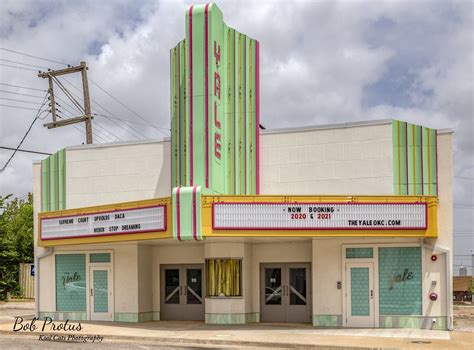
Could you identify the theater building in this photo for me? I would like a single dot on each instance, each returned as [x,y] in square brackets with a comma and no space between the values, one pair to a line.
[343,225]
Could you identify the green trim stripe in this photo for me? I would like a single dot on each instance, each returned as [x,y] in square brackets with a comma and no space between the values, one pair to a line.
[414,159]
[53,182]
[327,320]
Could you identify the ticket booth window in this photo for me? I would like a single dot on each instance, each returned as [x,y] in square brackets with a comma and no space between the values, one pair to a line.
[224,277]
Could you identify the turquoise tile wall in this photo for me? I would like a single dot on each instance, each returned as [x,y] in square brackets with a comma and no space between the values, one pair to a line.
[327,320]
[400,281]
[70,282]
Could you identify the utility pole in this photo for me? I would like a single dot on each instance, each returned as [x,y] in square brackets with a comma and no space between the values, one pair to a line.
[85,108]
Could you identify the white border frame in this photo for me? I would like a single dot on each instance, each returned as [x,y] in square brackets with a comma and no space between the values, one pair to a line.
[87,253]
[375,261]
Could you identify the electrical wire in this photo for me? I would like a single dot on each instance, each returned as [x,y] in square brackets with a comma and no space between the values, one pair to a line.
[24,68]
[24,137]
[22,101]
[68,94]
[18,93]
[81,110]
[71,115]
[23,87]
[135,131]
[124,120]
[11,106]
[37,57]
[78,129]
[25,64]
[125,106]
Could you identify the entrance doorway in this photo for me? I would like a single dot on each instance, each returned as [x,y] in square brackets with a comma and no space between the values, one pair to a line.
[360,299]
[100,294]
[182,294]
[285,294]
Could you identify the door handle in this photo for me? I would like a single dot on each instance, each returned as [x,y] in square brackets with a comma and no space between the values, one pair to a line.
[92,292]
[371,294]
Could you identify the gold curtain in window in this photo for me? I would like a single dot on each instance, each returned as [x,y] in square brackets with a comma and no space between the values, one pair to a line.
[223,277]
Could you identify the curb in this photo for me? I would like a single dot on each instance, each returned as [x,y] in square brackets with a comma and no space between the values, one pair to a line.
[188,341]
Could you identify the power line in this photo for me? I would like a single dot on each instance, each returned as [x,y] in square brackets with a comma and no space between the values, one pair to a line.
[78,129]
[37,57]
[140,135]
[24,150]
[24,68]
[71,114]
[18,93]
[125,120]
[3,105]
[22,101]
[24,137]
[25,64]
[464,177]
[124,105]
[23,87]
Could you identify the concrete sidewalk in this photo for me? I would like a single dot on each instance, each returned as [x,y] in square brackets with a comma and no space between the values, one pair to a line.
[8,310]
[266,335]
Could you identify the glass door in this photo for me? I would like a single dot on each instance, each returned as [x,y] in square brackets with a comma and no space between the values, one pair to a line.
[271,301]
[193,292]
[182,292]
[171,291]
[298,293]
[100,294]
[360,295]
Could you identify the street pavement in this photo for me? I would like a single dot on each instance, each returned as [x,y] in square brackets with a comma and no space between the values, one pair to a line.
[189,335]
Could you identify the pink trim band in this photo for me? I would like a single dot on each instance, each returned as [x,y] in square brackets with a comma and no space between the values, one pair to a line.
[194,214]
[436,149]
[406,157]
[421,151]
[178,219]
[206,87]
[257,136]
[191,159]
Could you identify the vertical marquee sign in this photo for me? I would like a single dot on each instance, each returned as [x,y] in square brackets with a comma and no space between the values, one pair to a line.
[215,105]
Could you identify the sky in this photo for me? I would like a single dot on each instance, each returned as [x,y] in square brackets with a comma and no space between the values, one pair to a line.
[321,62]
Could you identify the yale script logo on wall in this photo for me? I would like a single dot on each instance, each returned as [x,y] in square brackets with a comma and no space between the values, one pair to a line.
[320,216]
[105,223]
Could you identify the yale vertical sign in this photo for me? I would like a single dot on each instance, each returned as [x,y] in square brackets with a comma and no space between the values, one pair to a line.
[214,100]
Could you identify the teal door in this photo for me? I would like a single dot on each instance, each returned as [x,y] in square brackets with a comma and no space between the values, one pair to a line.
[360,295]
[100,294]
